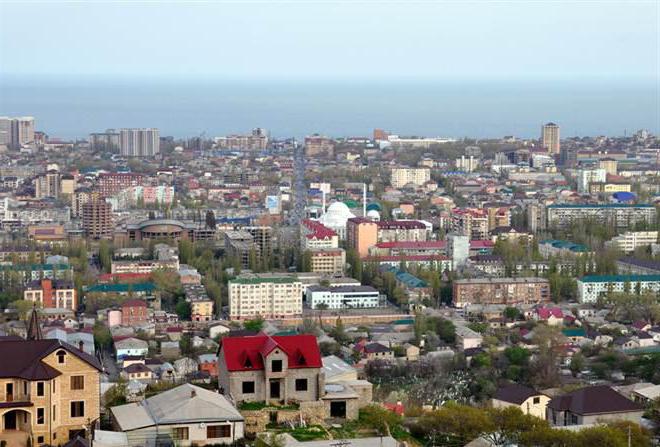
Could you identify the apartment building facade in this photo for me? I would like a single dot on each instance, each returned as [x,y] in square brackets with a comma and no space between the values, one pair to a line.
[417,176]
[264,295]
[52,294]
[508,291]
[617,215]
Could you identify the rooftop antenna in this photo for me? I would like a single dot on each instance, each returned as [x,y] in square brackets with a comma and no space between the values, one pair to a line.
[323,204]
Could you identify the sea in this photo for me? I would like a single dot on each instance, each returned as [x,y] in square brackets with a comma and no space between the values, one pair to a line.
[72,107]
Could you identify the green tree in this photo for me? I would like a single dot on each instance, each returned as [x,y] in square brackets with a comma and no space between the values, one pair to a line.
[256,324]
[183,309]
[105,256]
[102,336]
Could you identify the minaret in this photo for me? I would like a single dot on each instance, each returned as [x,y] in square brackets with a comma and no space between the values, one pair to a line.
[323,204]
[34,329]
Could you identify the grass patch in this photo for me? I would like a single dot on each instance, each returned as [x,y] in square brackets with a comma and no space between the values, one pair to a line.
[256,406]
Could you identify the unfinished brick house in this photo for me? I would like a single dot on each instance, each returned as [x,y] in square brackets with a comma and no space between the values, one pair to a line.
[274,369]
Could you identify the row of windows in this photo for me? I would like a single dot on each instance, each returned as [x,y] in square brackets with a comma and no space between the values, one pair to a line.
[248,387]
[76,410]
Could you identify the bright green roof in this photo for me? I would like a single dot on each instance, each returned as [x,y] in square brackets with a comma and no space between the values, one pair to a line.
[28,267]
[145,287]
[620,278]
[576,332]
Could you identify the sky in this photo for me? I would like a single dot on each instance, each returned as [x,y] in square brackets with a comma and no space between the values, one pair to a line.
[332,39]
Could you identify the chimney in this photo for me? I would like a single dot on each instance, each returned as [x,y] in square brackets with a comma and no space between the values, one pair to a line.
[81,346]
[193,393]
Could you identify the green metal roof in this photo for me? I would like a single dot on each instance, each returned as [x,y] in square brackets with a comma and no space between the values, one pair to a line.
[145,287]
[28,267]
[577,332]
[620,278]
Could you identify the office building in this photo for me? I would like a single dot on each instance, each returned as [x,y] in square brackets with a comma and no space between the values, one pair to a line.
[631,240]
[343,297]
[508,291]
[416,176]
[97,219]
[139,142]
[266,295]
[550,138]
[592,287]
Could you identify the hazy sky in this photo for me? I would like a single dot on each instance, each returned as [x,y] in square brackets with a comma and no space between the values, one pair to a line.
[332,39]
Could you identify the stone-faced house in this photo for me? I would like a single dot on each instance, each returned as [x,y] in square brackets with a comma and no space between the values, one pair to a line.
[49,391]
[263,368]
[527,399]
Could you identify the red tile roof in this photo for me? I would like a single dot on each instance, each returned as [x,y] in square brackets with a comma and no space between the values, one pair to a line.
[246,353]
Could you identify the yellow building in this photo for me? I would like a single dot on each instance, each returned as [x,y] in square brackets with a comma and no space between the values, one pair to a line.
[600,187]
[528,400]
[201,310]
[550,138]
[49,390]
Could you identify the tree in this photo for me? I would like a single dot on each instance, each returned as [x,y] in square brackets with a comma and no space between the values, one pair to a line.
[105,256]
[210,219]
[511,313]
[577,363]
[183,310]
[544,368]
[254,325]
[102,336]
[185,344]
[339,333]
[24,307]
[379,419]
[306,262]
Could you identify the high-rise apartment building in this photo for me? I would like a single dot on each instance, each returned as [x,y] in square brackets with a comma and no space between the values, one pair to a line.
[417,176]
[97,219]
[550,138]
[47,184]
[139,142]
[108,140]
[16,132]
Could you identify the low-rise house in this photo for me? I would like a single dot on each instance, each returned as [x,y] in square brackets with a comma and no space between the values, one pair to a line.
[412,352]
[527,399]
[591,405]
[575,335]
[375,351]
[130,346]
[208,363]
[553,316]
[137,371]
[185,367]
[186,415]
[49,390]
[134,312]
[646,395]
[466,338]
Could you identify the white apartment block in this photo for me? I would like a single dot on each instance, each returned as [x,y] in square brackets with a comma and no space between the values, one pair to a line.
[618,215]
[631,240]
[587,176]
[417,176]
[590,288]
[344,297]
[264,295]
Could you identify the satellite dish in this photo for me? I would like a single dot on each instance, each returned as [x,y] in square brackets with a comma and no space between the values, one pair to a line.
[202,425]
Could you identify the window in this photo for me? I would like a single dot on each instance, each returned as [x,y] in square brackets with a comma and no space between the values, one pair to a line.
[40,439]
[25,388]
[248,387]
[537,400]
[77,382]
[180,433]
[40,389]
[218,431]
[77,409]
[60,356]
[301,384]
[276,366]
[40,416]
[53,386]
[54,413]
